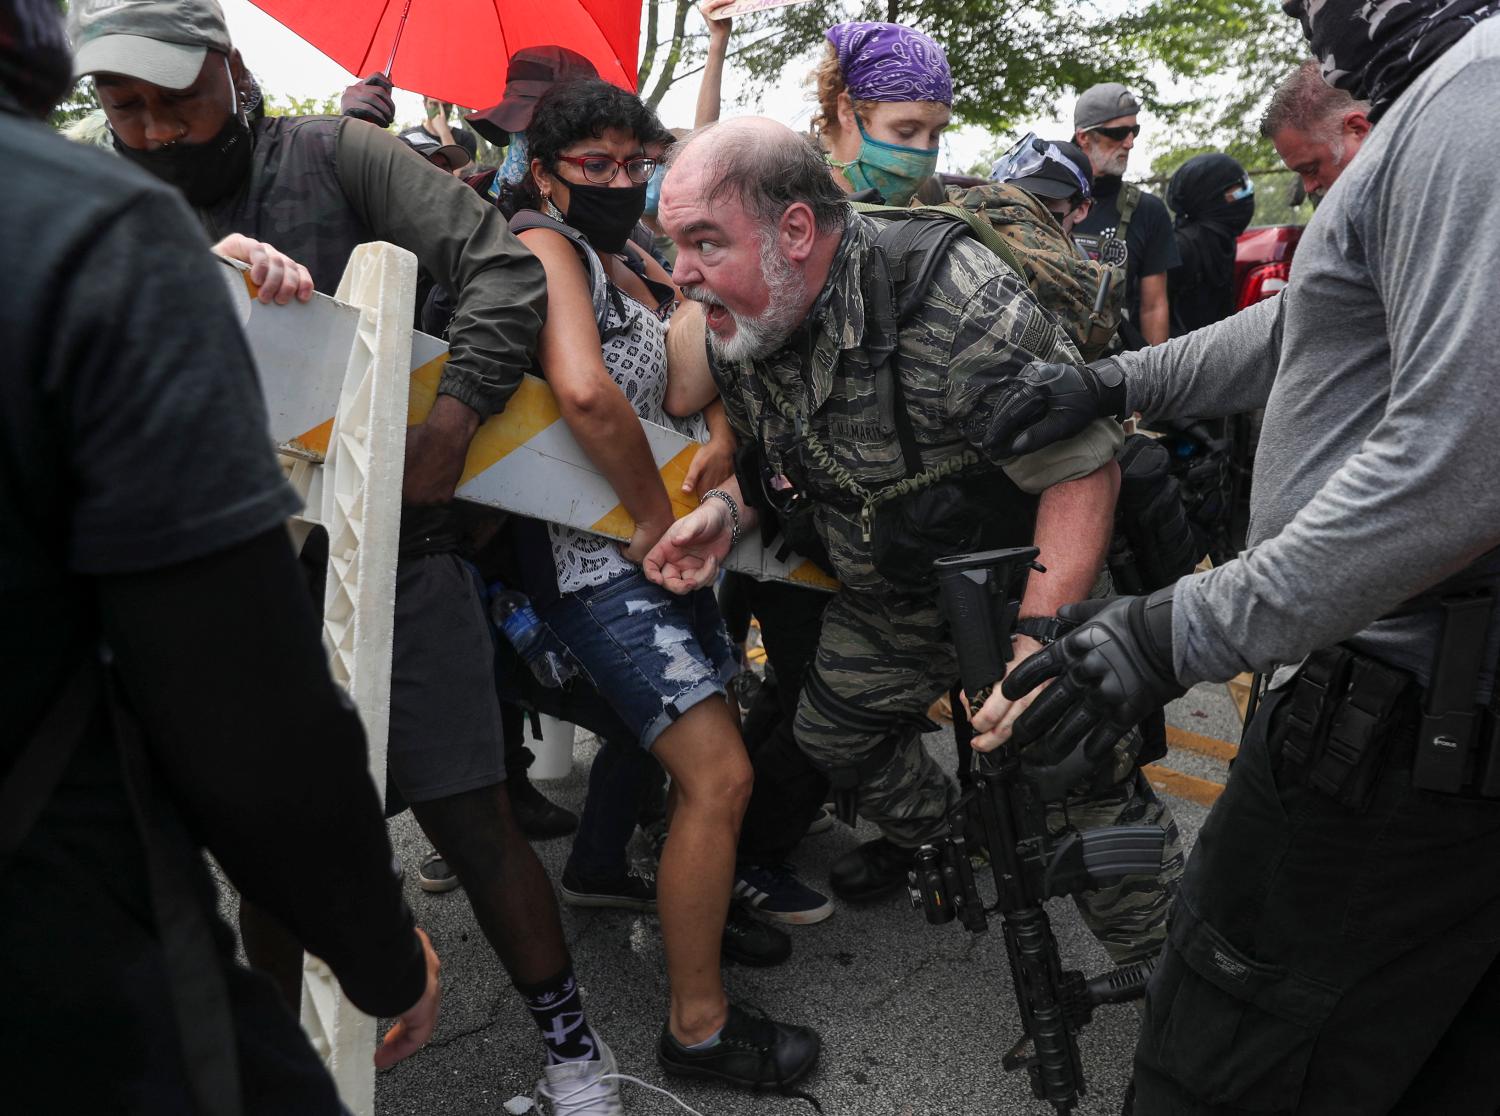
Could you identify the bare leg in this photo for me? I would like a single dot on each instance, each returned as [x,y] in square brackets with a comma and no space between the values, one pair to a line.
[506,884]
[711,777]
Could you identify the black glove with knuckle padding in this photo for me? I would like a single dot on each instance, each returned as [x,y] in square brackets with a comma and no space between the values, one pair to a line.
[369,100]
[1045,403]
[1110,671]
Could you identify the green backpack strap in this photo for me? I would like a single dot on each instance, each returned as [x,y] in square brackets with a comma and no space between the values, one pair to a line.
[1130,197]
[978,225]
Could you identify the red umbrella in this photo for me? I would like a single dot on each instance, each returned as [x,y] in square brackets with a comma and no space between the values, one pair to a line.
[456,50]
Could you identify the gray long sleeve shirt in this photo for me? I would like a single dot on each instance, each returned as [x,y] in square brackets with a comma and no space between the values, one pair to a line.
[1378,472]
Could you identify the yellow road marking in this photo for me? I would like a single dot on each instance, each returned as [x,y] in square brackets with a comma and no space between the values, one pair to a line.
[1210,746]
[1178,785]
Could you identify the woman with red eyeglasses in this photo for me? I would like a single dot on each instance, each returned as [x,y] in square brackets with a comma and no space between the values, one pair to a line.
[660,661]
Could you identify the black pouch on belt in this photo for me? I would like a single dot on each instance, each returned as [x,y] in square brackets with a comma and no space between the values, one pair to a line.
[1318,690]
[1354,748]
[1447,742]
[1342,710]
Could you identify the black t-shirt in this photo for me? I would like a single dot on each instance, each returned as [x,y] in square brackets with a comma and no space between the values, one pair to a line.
[133,438]
[132,430]
[1149,240]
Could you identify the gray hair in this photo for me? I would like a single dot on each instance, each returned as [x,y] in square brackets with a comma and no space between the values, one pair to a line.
[768,173]
[1308,103]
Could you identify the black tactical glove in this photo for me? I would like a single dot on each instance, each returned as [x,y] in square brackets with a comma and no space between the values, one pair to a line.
[1111,671]
[370,100]
[1046,403]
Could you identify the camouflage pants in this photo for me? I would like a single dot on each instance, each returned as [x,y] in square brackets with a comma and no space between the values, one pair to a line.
[1130,917]
[883,666]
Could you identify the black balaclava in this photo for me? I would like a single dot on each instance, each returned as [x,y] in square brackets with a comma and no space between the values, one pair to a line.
[1374,49]
[1202,288]
[36,66]
[1196,193]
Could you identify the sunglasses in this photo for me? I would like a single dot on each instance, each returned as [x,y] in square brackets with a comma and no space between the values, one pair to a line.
[601,170]
[1119,134]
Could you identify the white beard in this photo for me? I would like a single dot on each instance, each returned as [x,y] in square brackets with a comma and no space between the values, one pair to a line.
[763,334]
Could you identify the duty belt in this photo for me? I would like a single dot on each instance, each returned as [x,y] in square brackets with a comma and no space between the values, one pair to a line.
[1350,716]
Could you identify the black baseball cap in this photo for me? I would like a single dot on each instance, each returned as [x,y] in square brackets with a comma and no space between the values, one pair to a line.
[448,155]
[1052,179]
[531,73]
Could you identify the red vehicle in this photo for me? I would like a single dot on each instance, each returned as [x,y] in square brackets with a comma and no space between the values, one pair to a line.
[1263,262]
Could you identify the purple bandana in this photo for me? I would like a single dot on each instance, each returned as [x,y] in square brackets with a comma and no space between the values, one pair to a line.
[888,62]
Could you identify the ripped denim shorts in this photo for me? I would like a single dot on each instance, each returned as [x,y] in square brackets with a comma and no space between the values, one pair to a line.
[651,654]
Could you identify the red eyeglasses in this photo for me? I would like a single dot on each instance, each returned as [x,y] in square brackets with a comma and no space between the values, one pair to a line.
[601,170]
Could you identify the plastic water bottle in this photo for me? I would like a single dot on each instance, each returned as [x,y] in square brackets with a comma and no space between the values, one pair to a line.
[533,640]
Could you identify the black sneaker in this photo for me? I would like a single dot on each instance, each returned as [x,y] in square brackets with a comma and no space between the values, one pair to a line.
[634,891]
[752,1051]
[776,893]
[537,815]
[749,941]
[871,870]
[434,875]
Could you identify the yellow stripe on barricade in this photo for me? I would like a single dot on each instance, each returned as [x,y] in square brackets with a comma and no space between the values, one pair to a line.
[617,521]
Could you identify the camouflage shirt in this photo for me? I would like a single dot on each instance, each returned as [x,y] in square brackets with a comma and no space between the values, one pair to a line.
[977,325]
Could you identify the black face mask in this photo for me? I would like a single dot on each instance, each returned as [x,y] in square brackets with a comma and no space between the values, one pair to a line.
[604,214]
[204,172]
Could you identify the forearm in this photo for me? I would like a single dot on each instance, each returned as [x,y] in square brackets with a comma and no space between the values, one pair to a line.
[717,421]
[1388,525]
[1156,324]
[1224,369]
[499,287]
[749,517]
[690,381]
[713,78]
[229,686]
[1073,525]
[614,440]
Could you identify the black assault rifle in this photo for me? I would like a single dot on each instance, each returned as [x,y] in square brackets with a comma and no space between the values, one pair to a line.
[1004,811]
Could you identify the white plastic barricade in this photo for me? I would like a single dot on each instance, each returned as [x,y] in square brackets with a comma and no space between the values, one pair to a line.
[523,460]
[360,357]
[343,378]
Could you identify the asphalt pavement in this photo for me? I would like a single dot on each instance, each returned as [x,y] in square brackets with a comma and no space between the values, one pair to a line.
[914,1018]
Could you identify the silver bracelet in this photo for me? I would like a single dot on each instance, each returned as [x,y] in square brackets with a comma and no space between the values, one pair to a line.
[734,513]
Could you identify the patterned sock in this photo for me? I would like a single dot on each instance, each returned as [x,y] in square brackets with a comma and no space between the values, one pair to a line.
[558,1011]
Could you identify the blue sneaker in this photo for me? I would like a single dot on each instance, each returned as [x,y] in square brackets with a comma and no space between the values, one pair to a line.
[776,892]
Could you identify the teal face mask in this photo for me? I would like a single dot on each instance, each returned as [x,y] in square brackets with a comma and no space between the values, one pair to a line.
[893,170]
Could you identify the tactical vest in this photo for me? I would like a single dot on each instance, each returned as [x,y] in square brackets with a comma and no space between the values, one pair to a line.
[859,459]
[293,199]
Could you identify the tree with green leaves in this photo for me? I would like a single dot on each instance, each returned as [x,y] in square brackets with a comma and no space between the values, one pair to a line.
[1013,59]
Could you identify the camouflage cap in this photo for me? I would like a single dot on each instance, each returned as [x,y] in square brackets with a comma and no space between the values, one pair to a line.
[1099,104]
[160,41]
